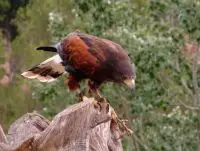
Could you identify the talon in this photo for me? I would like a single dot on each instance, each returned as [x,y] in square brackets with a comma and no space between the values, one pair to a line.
[97,105]
[101,99]
[80,95]
[80,99]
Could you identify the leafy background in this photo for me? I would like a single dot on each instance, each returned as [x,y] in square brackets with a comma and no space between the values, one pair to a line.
[162,39]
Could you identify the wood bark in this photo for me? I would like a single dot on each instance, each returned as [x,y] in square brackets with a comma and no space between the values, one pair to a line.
[86,126]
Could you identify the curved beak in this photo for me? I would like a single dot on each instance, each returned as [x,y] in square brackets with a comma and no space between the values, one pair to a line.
[130,83]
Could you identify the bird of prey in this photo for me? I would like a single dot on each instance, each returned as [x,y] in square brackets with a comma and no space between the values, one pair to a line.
[85,56]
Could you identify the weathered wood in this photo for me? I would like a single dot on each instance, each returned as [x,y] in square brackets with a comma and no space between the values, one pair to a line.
[85,126]
[3,138]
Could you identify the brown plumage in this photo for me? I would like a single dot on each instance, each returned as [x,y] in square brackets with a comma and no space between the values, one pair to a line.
[85,56]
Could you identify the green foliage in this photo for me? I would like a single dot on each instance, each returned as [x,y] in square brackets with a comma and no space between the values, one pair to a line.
[161,109]
[52,97]
[190,18]
[4,6]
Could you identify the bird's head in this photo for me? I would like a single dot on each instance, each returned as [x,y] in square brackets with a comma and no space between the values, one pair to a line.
[130,79]
[130,83]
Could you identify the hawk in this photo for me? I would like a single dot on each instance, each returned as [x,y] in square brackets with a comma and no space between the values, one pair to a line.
[85,56]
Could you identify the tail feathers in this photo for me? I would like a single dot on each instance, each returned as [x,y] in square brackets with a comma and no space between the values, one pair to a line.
[47,48]
[46,71]
[52,48]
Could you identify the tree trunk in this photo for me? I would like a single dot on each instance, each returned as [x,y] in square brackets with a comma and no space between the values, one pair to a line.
[86,126]
[7,78]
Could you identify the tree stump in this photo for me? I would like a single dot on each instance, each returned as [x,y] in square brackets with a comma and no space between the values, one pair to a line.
[85,126]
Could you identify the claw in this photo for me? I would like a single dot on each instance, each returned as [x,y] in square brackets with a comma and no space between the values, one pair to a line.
[80,99]
[101,99]
[97,105]
[80,95]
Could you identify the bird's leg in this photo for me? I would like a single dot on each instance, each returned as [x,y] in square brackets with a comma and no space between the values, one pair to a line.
[74,85]
[100,98]
[121,123]
[93,87]
[80,95]
[88,90]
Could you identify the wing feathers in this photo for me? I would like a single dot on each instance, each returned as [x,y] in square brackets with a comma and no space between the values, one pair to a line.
[46,71]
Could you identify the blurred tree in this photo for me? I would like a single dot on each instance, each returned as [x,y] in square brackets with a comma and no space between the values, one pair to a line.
[16,98]
[189,20]
[8,11]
